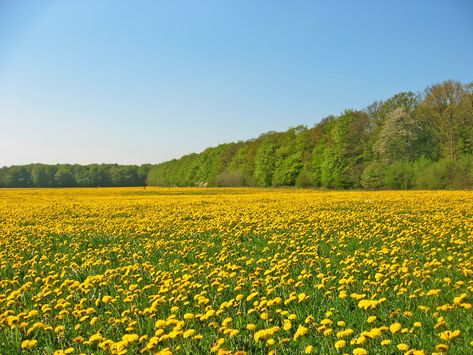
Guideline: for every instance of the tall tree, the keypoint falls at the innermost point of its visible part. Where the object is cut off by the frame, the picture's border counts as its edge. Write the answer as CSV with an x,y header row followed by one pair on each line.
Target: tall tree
x,y
443,103
64,177
39,176
397,136
265,163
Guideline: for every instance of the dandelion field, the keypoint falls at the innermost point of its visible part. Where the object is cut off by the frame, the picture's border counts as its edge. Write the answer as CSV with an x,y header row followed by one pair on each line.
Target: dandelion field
x,y
191,271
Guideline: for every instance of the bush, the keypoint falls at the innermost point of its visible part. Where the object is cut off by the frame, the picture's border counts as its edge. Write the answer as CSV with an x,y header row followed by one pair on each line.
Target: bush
x,y
305,179
447,174
229,179
436,176
461,175
419,168
373,175
399,175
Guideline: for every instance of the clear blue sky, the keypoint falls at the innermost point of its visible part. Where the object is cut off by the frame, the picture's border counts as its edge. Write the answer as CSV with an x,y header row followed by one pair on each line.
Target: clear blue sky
x,y
85,81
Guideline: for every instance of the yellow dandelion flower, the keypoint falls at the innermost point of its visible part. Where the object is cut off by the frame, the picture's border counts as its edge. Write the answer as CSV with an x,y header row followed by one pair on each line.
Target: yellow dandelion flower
x,y
340,344
27,344
441,348
395,327
309,349
107,299
301,330
251,327
360,351
402,347
449,334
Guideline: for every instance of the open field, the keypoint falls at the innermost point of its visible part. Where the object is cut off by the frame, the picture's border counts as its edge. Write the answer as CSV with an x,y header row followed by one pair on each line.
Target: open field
x,y
133,270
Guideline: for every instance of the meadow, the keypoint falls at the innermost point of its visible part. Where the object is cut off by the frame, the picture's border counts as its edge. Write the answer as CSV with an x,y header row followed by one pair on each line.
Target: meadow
x,y
255,271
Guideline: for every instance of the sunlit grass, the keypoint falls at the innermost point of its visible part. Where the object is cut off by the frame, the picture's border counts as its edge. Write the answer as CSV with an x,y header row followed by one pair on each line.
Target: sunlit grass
x,y
133,270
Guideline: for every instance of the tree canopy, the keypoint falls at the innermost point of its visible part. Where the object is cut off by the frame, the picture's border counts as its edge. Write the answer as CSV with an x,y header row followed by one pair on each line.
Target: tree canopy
x,y
407,141
67,175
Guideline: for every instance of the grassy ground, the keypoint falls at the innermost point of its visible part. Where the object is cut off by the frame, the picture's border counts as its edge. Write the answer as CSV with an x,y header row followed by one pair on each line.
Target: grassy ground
x,y
133,270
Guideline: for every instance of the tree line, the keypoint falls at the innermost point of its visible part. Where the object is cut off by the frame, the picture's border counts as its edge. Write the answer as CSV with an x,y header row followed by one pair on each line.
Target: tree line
x,y
67,175
407,141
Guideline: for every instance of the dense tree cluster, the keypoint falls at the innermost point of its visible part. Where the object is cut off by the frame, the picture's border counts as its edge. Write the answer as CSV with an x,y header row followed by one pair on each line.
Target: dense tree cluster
x,y
408,141
66,175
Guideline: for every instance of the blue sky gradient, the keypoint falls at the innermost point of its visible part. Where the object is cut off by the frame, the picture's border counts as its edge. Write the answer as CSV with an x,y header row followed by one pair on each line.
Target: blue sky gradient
x,y
85,81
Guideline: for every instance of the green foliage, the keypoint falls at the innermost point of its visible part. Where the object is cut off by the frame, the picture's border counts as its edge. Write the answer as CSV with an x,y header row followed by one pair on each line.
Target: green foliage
x,y
449,105
265,164
399,175
243,163
15,176
407,141
40,176
447,174
305,178
373,175
289,156
229,179
396,139
66,175
339,158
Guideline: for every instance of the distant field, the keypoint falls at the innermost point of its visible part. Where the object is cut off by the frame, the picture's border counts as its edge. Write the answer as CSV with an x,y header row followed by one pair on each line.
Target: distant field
x,y
191,271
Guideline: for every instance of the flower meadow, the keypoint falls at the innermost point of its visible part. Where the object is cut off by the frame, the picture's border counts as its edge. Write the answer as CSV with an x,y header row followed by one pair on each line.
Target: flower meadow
x,y
235,271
